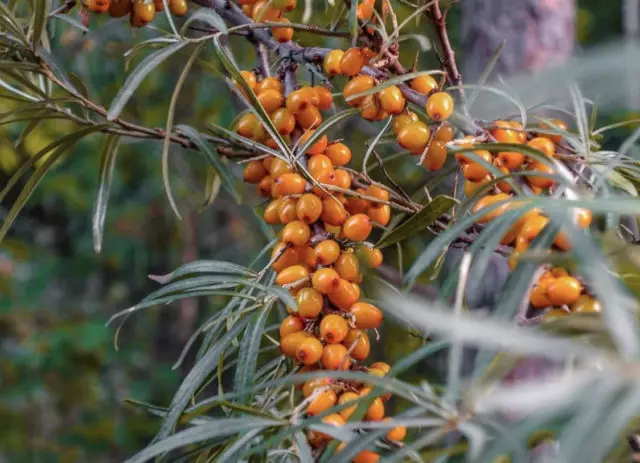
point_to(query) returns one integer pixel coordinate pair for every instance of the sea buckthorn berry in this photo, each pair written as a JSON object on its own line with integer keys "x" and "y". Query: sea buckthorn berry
{"x": 277, "y": 167}
{"x": 356, "y": 205}
{"x": 333, "y": 212}
{"x": 317, "y": 438}
{"x": 296, "y": 233}
{"x": 488, "y": 201}
{"x": 291, "y": 324}
{"x": 474, "y": 171}
{"x": 380, "y": 214}
{"x": 309, "y": 351}
{"x": 270, "y": 99}
{"x": 292, "y": 274}
{"x": 325, "y": 97}
{"x": 298, "y": 100}
{"x": 584, "y": 217}
{"x": 308, "y": 256}
{"x": 285, "y": 5}
{"x": 247, "y": 9}
{"x": 544, "y": 145}
{"x": 352, "y": 62}
{"x": 284, "y": 121}
{"x": 439, "y": 106}
{"x": 178, "y": 7}
{"x": 308, "y": 208}
{"x": 436, "y": 155}
{"x": 333, "y": 329}
{"x": 253, "y": 172}
{"x": 586, "y": 304}
{"x": 375, "y": 412}
{"x": 249, "y": 126}
{"x": 370, "y": 108}
{"x": 539, "y": 181}
{"x": 318, "y": 147}
{"x": 364, "y": 11}
{"x": 318, "y": 164}
{"x": 288, "y": 256}
{"x": 288, "y": 184}
{"x": 119, "y": 8}
{"x": 344, "y": 398}
{"x": 397, "y": 434}
{"x": 558, "y": 272}
{"x": 564, "y": 290}
{"x": 424, "y": 84}
{"x": 366, "y": 456}
{"x": 322, "y": 402}
{"x": 538, "y": 297}
{"x": 343, "y": 179}
{"x": 414, "y": 137}
{"x": 269, "y": 83}
{"x": 358, "y": 344}
{"x": 357, "y": 227}
{"x": 332, "y": 61}
{"x": 348, "y": 266}
{"x": 266, "y": 161}
{"x": 520, "y": 131}
{"x": 327, "y": 252}
{"x": 445, "y": 133}
{"x": 271, "y": 212}
{"x": 250, "y": 78}
{"x": 372, "y": 256}
{"x": 381, "y": 366}
{"x": 357, "y": 85}
{"x": 339, "y": 154}
{"x": 470, "y": 188}
{"x": 159, "y": 5}
{"x": 504, "y": 133}
{"x": 309, "y": 302}
{"x": 533, "y": 226}
{"x": 366, "y": 315}
{"x": 98, "y": 6}
{"x": 264, "y": 11}
{"x": 309, "y": 117}
{"x": 556, "y": 124}
{"x": 265, "y": 186}
{"x": 335, "y": 357}
{"x": 376, "y": 192}
{"x": 325, "y": 280}
{"x": 511, "y": 159}
{"x": 289, "y": 344}
{"x": 309, "y": 386}
{"x": 391, "y": 99}
{"x": 503, "y": 185}
{"x": 403, "y": 120}
{"x": 345, "y": 295}
{"x": 287, "y": 210}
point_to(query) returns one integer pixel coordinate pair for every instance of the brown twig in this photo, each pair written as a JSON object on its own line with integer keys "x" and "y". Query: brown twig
{"x": 448, "y": 56}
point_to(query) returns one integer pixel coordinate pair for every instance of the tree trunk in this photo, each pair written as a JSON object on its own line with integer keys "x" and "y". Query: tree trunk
{"x": 536, "y": 34}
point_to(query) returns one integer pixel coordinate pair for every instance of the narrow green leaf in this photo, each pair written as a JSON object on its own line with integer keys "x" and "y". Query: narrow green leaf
{"x": 107, "y": 166}
{"x": 205, "y": 15}
{"x": 40, "y": 15}
{"x": 486, "y": 73}
{"x": 11, "y": 23}
{"x": 57, "y": 70}
{"x": 496, "y": 91}
{"x": 72, "y": 21}
{"x": 618, "y": 180}
{"x": 242, "y": 141}
{"x": 199, "y": 267}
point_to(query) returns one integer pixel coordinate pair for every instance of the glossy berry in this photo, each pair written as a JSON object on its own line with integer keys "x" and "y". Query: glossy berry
{"x": 119, "y": 8}
{"x": 504, "y": 133}
{"x": 343, "y": 179}
{"x": 532, "y": 226}
{"x": 366, "y": 456}
{"x": 345, "y": 295}
{"x": 299, "y": 99}
{"x": 178, "y": 7}
{"x": 381, "y": 366}
{"x": 544, "y": 145}
{"x": 474, "y": 171}
{"x": 264, "y": 11}
{"x": 322, "y": 402}
{"x": 586, "y": 304}
{"x": 269, "y": 83}
{"x": 289, "y": 344}
{"x": 284, "y": 121}
{"x": 445, "y": 133}
{"x": 277, "y": 167}
{"x": 308, "y": 257}
{"x": 333, "y": 212}
{"x": 325, "y": 280}
{"x": 436, "y": 155}
{"x": 318, "y": 147}
{"x": 288, "y": 256}
{"x": 357, "y": 85}
{"x": 370, "y": 108}
{"x": 520, "y": 131}
{"x": 556, "y": 124}
{"x": 403, "y": 120}
{"x": 538, "y": 297}
{"x": 291, "y": 324}
{"x": 309, "y": 386}
{"x": 583, "y": 218}
{"x": 344, "y": 398}
{"x": 98, "y": 6}
{"x": 332, "y": 61}
{"x": 309, "y": 351}
{"x": 309, "y": 302}
{"x": 414, "y": 137}
{"x": 327, "y": 252}
{"x": 539, "y": 181}
{"x": 564, "y": 290}
{"x": 488, "y": 201}
{"x": 356, "y": 205}
{"x": 288, "y": 184}
{"x": 308, "y": 117}
{"x": 357, "y": 227}
{"x": 376, "y": 192}
{"x": 397, "y": 434}
{"x": 270, "y": 99}
{"x": 287, "y": 210}
{"x": 375, "y": 412}
{"x": 352, "y": 62}
{"x": 380, "y": 214}
{"x": 339, "y": 154}
{"x": 439, "y": 106}
{"x": 392, "y": 100}
{"x": 372, "y": 257}
{"x": 424, "y": 84}
{"x": 364, "y": 11}
{"x": 142, "y": 13}
{"x": 325, "y": 97}
{"x": 253, "y": 172}
{"x": 366, "y": 315}
{"x": 249, "y": 126}
{"x": 358, "y": 344}
{"x": 333, "y": 329}
{"x": 511, "y": 159}
{"x": 271, "y": 212}
{"x": 335, "y": 357}
{"x": 308, "y": 208}
{"x": 265, "y": 186}
{"x": 250, "y": 79}
{"x": 291, "y": 275}
{"x": 316, "y": 438}
{"x": 348, "y": 266}
{"x": 296, "y": 233}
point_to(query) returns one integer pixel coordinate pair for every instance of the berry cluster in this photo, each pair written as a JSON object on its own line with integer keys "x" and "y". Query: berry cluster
{"x": 270, "y": 11}
{"x": 322, "y": 245}
{"x": 141, "y": 12}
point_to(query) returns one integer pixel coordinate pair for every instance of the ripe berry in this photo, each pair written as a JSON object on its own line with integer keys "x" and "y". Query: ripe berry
{"x": 288, "y": 184}
{"x": 366, "y": 315}
{"x": 316, "y": 438}
{"x": 343, "y": 399}
{"x": 178, "y": 7}
{"x": 586, "y": 304}
{"x": 322, "y": 402}
{"x": 309, "y": 351}
{"x": 357, "y": 85}
{"x": 376, "y": 192}
{"x": 366, "y": 456}
{"x": 381, "y": 366}
{"x": 364, "y": 11}
{"x": 488, "y": 201}
{"x": 253, "y": 172}
{"x": 333, "y": 212}
{"x": 308, "y": 257}
{"x": 439, "y": 106}
{"x": 356, "y": 205}
{"x": 327, "y": 252}
{"x": 357, "y": 227}
{"x": 397, "y": 434}
{"x": 296, "y": 233}
{"x": 308, "y": 208}
{"x": 98, "y": 6}
{"x": 436, "y": 155}
{"x": 358, "y": 344}
{"x": 348, "y": 266}
{"x": 352, "y": 62}
{"x": 325, "y": 280}
{"x": 318, "y": 147}
{"x": 249, "y": 126}
{"x": 424, "y": 84}
{"x": 474, "y": 171}
{"x": 250, "y": 78}
{"x": 291, "y": 324}
{"x": 335, "y": 357}
{"x": 288, "y": 256}
{"x": 309, "y": 302}
{"x": 583, "y": 218}
{"x": 403, "y": 120}
{"x": 375, "y": 412}
{"x": 332, "y": 61}
{"x": 264, "y": 11}
{"x": 502, "y": 185}
{"x": 557, "y": 125}
{"x": 277, "y": 167}
{"x": 564, "y": 290}
{"x": 538, "y": 296}
{"x": 119, "y": 8}
{"x": 339, "y": 154}
{"x": 543, "y": 144}
{"x": 343, "y": 179}
{"x": 291, "y": 275}
{"x": 270, "y": 99}
{"x": 370, "y": 108}
{"x": 271, "y": 212}
{"x": 371, "y": 256}
{"x": 265, "y": 185}
{"x": 504, "y": 133}
{"x": 289, "y": 343}
{"x": 333, "y": 329}
{"x": 309, "y": 117}
{"x": 287, "y": 210}
{"x": 414, "y": 137}
{"x": 380, "y": 214}
{"x": 520, "y": 131}
{"x": 445, "y": 133}
{"x": 532, "y": 226}
{"x": 285, "y": 5}
{"x": 325, "y": 97}
{"x": 309, "y": 386}
{"x": 538, "y": 181}
{"x": 284, "y": 121}
{"x": 269, "y": 83}
{"x": 345, "y": 295}
{"x": 511, "y": 159}
{"x": 391, "y": 99}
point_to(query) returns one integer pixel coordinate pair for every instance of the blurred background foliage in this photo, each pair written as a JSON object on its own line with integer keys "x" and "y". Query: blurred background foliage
{"x": 62, "y": 383}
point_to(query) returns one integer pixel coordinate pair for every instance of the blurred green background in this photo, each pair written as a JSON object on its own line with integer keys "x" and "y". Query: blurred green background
{"x": 62, "y": 382}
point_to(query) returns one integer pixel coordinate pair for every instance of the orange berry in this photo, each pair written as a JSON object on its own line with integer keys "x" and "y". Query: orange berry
{"x": 325, "y": 97}
{"x": 366, "y": 456}
{"x": 333, "y": 329}
{"x": 375, "y": 412}
{"x": 253, "y": 172}
{"x": 339, "y": 154}
{"x": 308, "y": 208}
{"x": 265, "y": 185}
{"x": 319, "y": 163}
{"x": 296, "y": 233}
{"x": 348, "y": 266}
{"x": 357, "y": 227}
{"x": 332, "y": 61}
{"x": 282, "y": 34}
{"x": 364, "y": 11}
{"x": 511, "y": 159}
{"x": 358, "y": 344}
{"x": 335, "y": 357}
{"x": 289, "y": 343}
{"x": 266, "y": 162}
{"x": 538, "y": 297}
{"x": 391, "y": 99}
{"x": 380, "y": 214}
{"x": 264, "y": 11}
{"x": 345, "y": 295}
{"x": 356, "y": 205}
{"x": 564, "y": 290}
{"x": 343, "y": 179}
{"x": 414, "y": 137}
{"x": 269, "y": 83}
{"x": 488, "y": 201}
{"x": 285, "y": 5}
{"x": 271, "y": 212}
{"x": 586, "y": 304}
{"x": 352, "y": 62}
{"x": 309, "y": 351}
{"x": 357, "y": 85}
{"x": 436, "y": 155}
{"x": 398, "y": 433}
{"x": 291, "y": 324}
{"x": 474, "y": 171}
{"x": 424, "y": 84}
{"x": 288, "y": 256}
{"x": 309, "y": 302}
{"x": 520, "y": 130}
{"x": 318, "y": 147}
{"x": 343, "y": 399}
{"x": 309, "y": 386}
{"x": 325, "y": 280}
{"x": 316, "y": 438}
{"x": 309, "y": 117}
{"x": 247, "y": 9}
{"x": 291, "y": 275}
{"x": 376, "y": 192}
{"x": 178, "y": 7}
{"x": 403, "y": 120}
{"x": 544, "y": 145}
{"x": 308, "y": 257}
{"x": 381, "y": 366}
{"x": 288, "y": 184}
{"x": 327, "y": 252}
{"x": 445, "y": 133}
{"x": 538, "y": 181}
{"x": 322, "y": 402}
{"x": 557, "y": 125}
{"x": 250, "y": 78}
{"x": 371, "y": 256}
{"x": 366, "y": 315}
{"x": 504, "y": 133}
{"x": 142, "y": 13}
{"x": 370, "y": 108}
{"x": 532, "y": 226}
{"x": 270, "y": 99}
{"x": 333, "y": 212}
{"x": 119, "y": 8}
{"x": 277, "y": 167}
{"x": 284, "y": 121}
{"x": 439, "y": 106}
{"x": 249, "y": 126}
{"x": 287, "y": 210}
{"x": 503, "y": 185}
{"x": 584, "y": 217}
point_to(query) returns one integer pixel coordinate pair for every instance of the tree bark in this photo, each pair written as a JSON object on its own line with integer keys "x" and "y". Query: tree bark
{"x": 536, "y": 33}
